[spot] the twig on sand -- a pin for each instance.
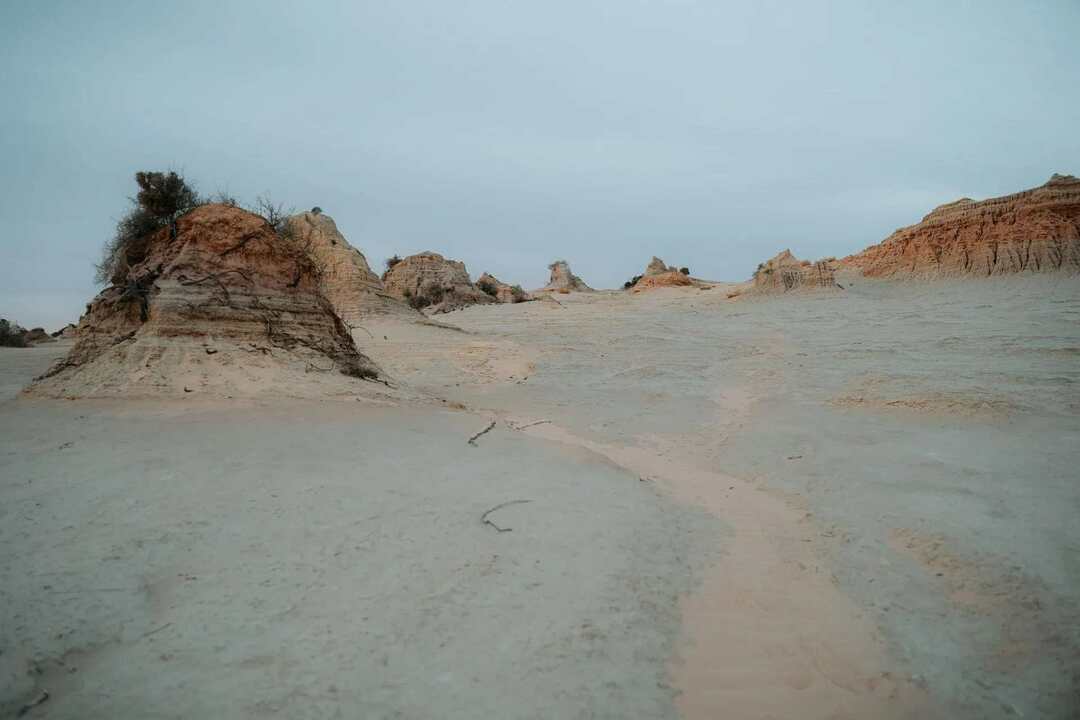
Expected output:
(500, 506)
(33, 703)
(528, 425)
(472, 440)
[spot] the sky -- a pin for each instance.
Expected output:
(508, 134)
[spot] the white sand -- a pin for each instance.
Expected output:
(857, 505)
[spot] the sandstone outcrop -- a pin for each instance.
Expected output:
(671, 278)
(656, 266)
(563, 280)
(219, 301)
(428, 280)
(501, 291)
(345, 278)
(785, 272)
(1036, 230)
(658, 274)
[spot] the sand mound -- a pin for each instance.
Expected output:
(345, 278)
(1032, 231)
(563, 280)
(785, 273)
(217, 302)
(501, 291)
(428, 280)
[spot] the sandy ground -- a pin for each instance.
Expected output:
(850, 505)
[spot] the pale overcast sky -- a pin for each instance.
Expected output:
(507, 134)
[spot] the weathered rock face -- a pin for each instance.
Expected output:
(428, 280)
(66, 333)
(1035, 230)
(563, 280)
(656, 266)
(345, 278)
(785, 272)
(671, 278)
(501, 291)
(217, 302)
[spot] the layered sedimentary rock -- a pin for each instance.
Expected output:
(1036, 230)
(563, 280)
(345, 278)
(659, 274)
(671, 278)
(501, 291)
(218, 301)
(785, 272)
(428, 280)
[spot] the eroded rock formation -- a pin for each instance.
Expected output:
(218, 301)
(659, 274)
(428, 280)
(656, 266)
(563, 280)
(501, 291)
(1036, 230)
(38, 335)
(65, 333)
(785, 272)
(345, 278)
(671, 278)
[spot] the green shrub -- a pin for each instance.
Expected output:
(162, 198)
(11, 335)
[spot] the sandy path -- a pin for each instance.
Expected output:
(768, 630)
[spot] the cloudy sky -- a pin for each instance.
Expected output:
(507, 134)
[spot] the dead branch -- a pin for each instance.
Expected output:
(484, 518)
(248, 237)
(33, 703)
(529, 425)
(472, 440)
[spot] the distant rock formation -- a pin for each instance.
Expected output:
(1036, 230)
(37, 335)
(428, 280)
(219, 301)
(345, 278)
(785, 272)
(501, 291)
(656, 266)
(671, 278)
(563, 280)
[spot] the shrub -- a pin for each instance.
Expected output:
(162, 198)
(518, 294)
(274, 213)
(632, 282)
(488, 287)
(684, 270)
(392, 261)
(11, 335)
